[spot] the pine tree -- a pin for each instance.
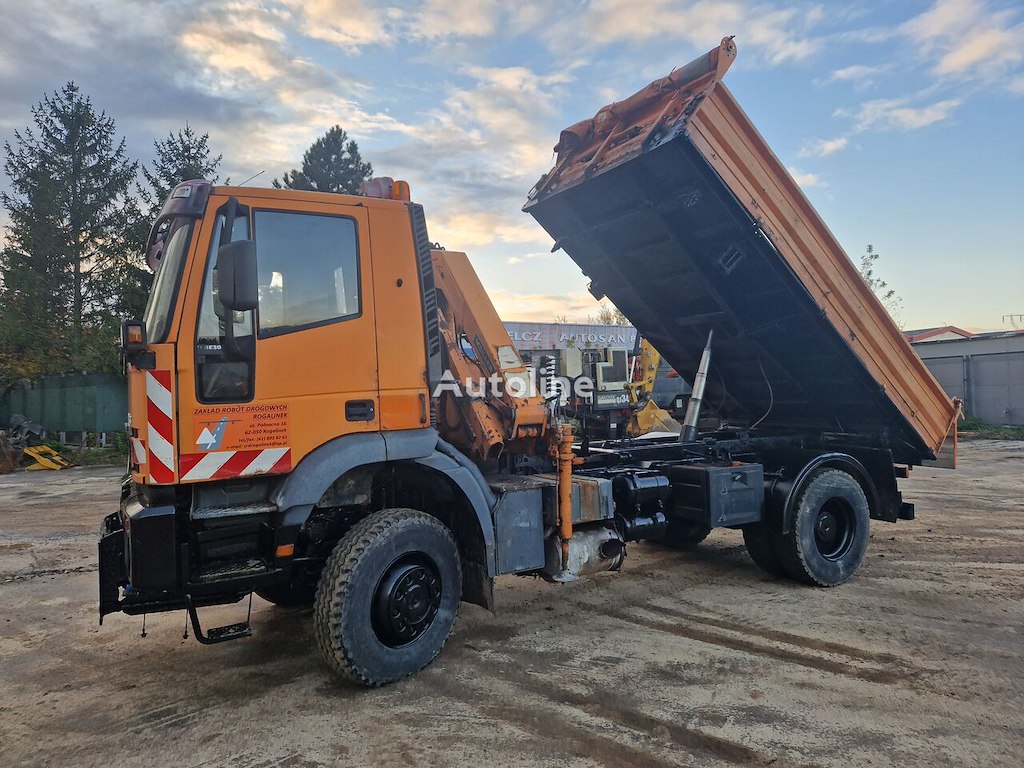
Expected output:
(69, 241)
(331, 164)
(30, 311)
(180, 157)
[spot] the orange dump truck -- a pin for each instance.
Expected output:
(326, 410)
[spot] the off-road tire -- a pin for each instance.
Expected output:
(829, 492)
(343, 615)
(762, 548)
(685, 535)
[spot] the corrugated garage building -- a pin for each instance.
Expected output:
(985, 370)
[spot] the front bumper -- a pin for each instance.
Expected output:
(138, 567)
(145, 564)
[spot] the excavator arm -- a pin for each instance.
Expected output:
(645, 415)
(643, 383)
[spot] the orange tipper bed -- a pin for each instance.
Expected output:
(679, 212)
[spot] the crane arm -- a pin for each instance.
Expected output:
(499, 408)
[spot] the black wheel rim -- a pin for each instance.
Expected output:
(834, 529)
(406, 600)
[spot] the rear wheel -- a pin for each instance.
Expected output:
(762, 548)
(685, 535)
(388, 596)
(828, 534)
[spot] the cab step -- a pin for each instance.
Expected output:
(218, 634)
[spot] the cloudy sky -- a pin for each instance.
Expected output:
(902, 120)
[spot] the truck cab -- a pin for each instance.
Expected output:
(318, 298)
(286, 389)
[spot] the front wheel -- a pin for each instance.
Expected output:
(828, 535)
(388, 597)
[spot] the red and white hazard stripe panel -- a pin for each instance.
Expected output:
(160, 426)
(217, 465)
(138, 450)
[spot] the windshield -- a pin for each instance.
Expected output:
(168, 275)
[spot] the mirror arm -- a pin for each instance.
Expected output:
(230, 344)
(234, 352)
(230, 213)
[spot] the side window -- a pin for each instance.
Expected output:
(308, 270)
(223, 360)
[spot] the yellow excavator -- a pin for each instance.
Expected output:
(645, 414)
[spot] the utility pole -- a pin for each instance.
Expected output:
(1015, 320)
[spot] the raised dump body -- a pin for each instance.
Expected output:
(679, 212)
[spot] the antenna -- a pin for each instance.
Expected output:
(252, 177)
(1015, 320)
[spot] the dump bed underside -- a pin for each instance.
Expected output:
(800, 344)
(662, 238)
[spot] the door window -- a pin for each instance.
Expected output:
(224, 356)
(308, 270)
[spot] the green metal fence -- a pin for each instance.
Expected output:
(74, 402)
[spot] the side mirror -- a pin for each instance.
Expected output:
(133, 336)
(134, 346)
(237, 284)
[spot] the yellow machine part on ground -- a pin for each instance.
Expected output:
(46, 458)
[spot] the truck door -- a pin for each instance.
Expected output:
(270, 385)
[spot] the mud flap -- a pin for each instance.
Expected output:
(112, 573)
(477, 586)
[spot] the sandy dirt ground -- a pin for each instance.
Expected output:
(680, 659)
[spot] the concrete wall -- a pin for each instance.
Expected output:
(986, 372)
